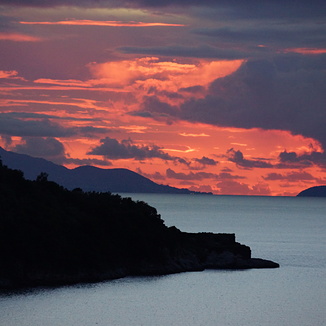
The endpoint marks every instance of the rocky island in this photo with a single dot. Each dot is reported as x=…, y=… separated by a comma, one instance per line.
x=51, y=236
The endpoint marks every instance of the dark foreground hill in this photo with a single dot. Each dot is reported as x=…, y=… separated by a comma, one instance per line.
x=52, y=236
x=318, y=191
x=88, y=178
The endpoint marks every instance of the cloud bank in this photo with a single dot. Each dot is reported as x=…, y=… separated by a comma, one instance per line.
x=287, y=92
x=126, y=149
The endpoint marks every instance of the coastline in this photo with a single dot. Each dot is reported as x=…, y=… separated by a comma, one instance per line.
x=192, y=252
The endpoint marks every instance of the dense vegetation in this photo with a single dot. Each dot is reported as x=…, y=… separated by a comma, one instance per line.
x=50, y=236
x=49, y=231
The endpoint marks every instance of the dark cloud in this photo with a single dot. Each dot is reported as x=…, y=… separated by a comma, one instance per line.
x=143, y=114
x=152, y=104
x=89, y=131
x=250, y=7
x=237, y=157
x=88, y=161
x=226, y=169
x=53, y=3
x=269, y=95
x=229, y=176
x=169, y=95
x=206, y=161
x=193, y=89
x=204, y=51
x=26, y=124
x=276, y=35
x=293, y=177
x=232, y=187
x=155, y=176
x=198, y=176
x=152, y=107
x=304, y=160
x=48, y=148
x=287, y=92
x=33, y=128
x=183, y=161
x=115, y=150
x=201, y=188
x=190, y=176
x=32, y=115
x=241, y=41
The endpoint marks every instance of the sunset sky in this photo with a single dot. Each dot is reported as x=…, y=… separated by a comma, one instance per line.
x=225, y=96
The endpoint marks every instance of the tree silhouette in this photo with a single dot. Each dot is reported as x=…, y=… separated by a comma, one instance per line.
x=42, y=177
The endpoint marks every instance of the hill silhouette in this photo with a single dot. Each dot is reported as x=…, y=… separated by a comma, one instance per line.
x=51, y=236
x=88, y=178
x=318, y=191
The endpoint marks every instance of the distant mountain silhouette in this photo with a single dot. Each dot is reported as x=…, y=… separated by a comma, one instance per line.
x=318, y=191
x=88, y=178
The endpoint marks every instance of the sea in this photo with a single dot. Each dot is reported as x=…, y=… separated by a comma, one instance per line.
x=288, y=230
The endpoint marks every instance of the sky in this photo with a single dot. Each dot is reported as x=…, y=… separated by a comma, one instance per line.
x=227, y=97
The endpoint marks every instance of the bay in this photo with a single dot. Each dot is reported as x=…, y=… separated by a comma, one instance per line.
x=288, y=230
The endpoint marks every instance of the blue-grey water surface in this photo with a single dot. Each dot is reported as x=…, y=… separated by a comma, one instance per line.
x=288, y=230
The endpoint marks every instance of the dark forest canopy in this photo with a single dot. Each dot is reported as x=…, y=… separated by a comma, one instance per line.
x=50, y=235
x=48, y=229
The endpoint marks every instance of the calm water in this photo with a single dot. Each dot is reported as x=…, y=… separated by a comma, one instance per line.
x=291, y=231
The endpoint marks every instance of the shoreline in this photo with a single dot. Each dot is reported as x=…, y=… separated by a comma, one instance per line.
x=192, y=252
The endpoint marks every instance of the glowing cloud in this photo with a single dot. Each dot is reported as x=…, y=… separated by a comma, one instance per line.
x=184, y=134
x=134, y=129
x=8, y=74
x=188, y=150
x=67, y=82
x=16, y=37
x=239, y=144
x=306, y=50
x=110, y=23
x=151, y=74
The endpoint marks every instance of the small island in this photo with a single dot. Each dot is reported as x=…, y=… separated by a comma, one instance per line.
x=317, y=191
x=50, y=236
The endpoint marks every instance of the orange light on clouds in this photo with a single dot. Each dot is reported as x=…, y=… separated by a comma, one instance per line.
x=134, y=129
x=187, y=149
x=184, y=134
x=66, y=82
x=8, y=74
x=138, y=79
x=306, y=50
x=146, y=73
x=199, y=151
x=109, y=23
x=16, y=37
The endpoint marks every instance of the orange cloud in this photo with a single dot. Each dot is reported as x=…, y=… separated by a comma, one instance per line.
x=134, y=129
x=307, y=50
x=66, y=82
x=16, y=37
x=184, y=134
x=187, y=150
x=77, y=102
x=111, y=23
x=8, y=73
x=152, y=74
x=239, y=144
